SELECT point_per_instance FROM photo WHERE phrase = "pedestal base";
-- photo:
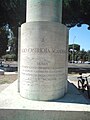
(71, 107)
(43, 60)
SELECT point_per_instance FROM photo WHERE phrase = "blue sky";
(81, 36)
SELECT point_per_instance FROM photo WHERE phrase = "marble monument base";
(43, 60)
(73, 106)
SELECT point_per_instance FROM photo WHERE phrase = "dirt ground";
(6, 80)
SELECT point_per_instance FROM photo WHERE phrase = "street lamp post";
(73, 50)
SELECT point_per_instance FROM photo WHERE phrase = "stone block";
(73, 106)
(43, 61)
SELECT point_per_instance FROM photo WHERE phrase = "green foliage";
(9, 57)
(76, 47)
(83, 55)
(88, 53)
(74, 12)
(12, 12)
(71, 12)
(80, 55)
(3, 41)
(12, 44)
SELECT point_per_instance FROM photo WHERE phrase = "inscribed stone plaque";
(43, 60)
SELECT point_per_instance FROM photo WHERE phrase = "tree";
(76, 47)
(3, 41)
(83, 55)
(75, 12)
(73, 52)
(12, 12)
(88, 53)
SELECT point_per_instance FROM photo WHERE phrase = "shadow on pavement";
(73, 96)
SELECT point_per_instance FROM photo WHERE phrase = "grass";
(8, 78)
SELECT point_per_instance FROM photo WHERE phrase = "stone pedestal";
(73, 106)
(44, 10)
(19, 56)
(43, 62)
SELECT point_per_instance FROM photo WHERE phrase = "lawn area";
(7, 78)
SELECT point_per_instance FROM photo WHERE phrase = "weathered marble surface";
(44, 10)
(19, 56)
(73, 106)
(43, 60)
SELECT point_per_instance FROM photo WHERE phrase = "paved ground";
(11, 63)
(83, 65)
(73, 79)
(3, 86)
(77, 68)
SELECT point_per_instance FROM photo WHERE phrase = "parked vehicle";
(87, 62)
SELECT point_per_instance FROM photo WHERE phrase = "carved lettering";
(43, 50)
